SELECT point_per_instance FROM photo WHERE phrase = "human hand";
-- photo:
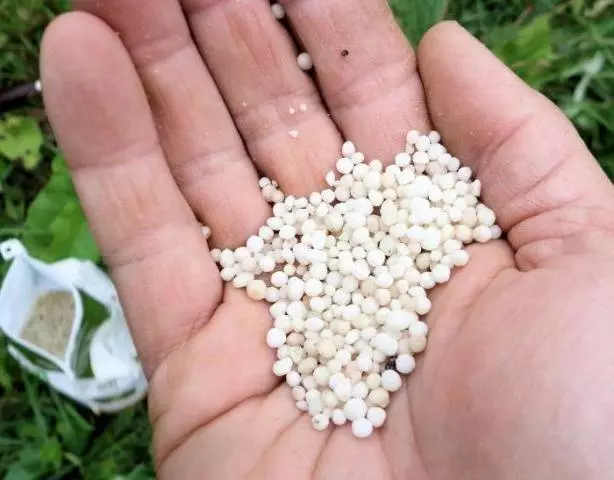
(515, 380)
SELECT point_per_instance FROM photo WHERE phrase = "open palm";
(168, 124)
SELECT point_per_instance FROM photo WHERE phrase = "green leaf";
(28, 431)
(6, 382)
(51, 453)
(21, 139)
(19, 472)
(417, 16)
(71, 234)
(56, 225)
(29, 466)
(526, 49)
(14, 205)
(607, 163)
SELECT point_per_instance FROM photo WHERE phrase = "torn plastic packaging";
(118, 380)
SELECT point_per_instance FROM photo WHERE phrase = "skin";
(163, 129)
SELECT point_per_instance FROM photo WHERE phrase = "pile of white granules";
(347, 271)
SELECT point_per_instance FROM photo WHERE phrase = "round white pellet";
(275, 338)
(329, 399)
(453, 164)
(313, 287)
(398, 320)
(434, 136)
(314, 324)
(215, 254)
(256, 289)
(391, 380)
(282, 367)
(355, 408)
(303, 60)
(315, 406)
(412, 136)
(309, 382)
(482, 234)
(379, 396)
(320, 422)
(402, 159)
(321, 374)
(435, 151)
(360, 390)
(452, 245)
(296, 288)
(298, 392)
(336, 378)
(364, 363)
(362, 428)
(266, 263)
(420, 158)
(427, 280)
(372, 180)
(376, 258)
(405, 363)
(307, 365)
(338, 417)
(327, 348)
(255, 244)
(296, 310)
(287, 232)
(377, 416)
(283, 322)
(272, 294)
(460, 258)
(343, 390)
(347, 149)
(345, 165)
(418, 329)
(279, 279)
(360, 270)
(293, 379)
(343, 356)
(422, 143)
(386, 344)
(357, 157)
(417, 344)
(464, 174)
(384, 280)
(431, 238)
(373, 381)
(441, 273)
(278, 12)
(227, 274)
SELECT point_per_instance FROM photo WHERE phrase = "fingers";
(276, 106)
(149, 237)
(201, 143)
(535, 170)
(366, 70)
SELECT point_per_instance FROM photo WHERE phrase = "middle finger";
(276, 106)
(373, 89)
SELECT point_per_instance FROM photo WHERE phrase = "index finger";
(167, 282)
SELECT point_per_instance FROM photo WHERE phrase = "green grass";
(563, 48)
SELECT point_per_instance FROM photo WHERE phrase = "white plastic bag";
(31, 286)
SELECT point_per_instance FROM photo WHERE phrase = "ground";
(563, 48)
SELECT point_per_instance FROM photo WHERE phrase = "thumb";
(549, 193)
